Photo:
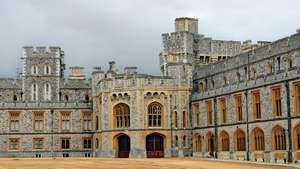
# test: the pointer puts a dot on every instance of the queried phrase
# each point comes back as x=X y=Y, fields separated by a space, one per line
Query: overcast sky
x=94 y=32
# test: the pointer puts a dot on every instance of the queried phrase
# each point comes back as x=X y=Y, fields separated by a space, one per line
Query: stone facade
x=266 y=81
x=214 y=99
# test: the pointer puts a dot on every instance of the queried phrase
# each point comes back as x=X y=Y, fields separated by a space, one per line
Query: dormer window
x=34 y=70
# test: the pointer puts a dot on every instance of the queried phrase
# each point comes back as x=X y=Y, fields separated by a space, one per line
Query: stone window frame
x=224 y=141
x=34 y=92
x=175 y=119
x=47 y=70
x=238 y=107
x=65 y=116
x=14 y=118
x=223 y=110
x=34 y=147
x=40 y=116
x=121 y=113
x=17 y=141
x=197 y=143
x=278 y=138
x=87 y=143
x=258 y=139
x=34 y=70
x=196 y=109
x=276 y=101
x=256 y=105
x=47 y=92
x=184 y=119
x=155 y=113
x=209 y=139
x=239 y=140
x=65 y=143
x=296 y=98
x=209 y=112
x=86 y=121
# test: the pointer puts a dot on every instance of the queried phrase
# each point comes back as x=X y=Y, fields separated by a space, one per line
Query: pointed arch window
x=258 y=139
x=122 y=115
x=224 y=140
x=155 y=115
x=279 y=139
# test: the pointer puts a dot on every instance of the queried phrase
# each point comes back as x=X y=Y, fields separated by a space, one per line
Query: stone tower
x=177 y=56
x=43 y=71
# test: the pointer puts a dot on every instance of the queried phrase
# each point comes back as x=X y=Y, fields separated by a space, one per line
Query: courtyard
x=101 y=163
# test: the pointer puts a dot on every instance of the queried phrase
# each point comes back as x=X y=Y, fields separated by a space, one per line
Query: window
x=65 y=121
x=197 y=114
x=66 y=97
x=14 y=120
x=176 y=141
x=253 y=72
x=87 y=121
x=209 y=139
x=97 y=123
x=225 y=80
x=65 y=143
x=278 y=63
x=47 y=70
x=258 y=139
x=224 y=140
x=175 y=119
x=279 y=140
x=38 y=121
x=184 y=119
x=207 y=59
x=238 y=76
x=201 y=88
x=14 y=144
x=256 y=105
x=289 y=63
x=38 y=143
x=184 y=141
x=34 y=70
x=122 y=115
x=155 y=114
x=87 y=143
x=276 y=101
x=240 y=140
x=34 y=92
x=297 y=98
x=223 y=110
x=270 y=68
x=197 y=142
x=209 y=112
x=238 y=107
x=97 y=143
x=47 y=92
x=297 y=137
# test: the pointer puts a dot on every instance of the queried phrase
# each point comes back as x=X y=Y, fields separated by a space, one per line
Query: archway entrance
x=155 y=146
x=123 y=146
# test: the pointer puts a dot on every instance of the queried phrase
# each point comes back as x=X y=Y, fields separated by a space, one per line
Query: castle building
x=214 y=99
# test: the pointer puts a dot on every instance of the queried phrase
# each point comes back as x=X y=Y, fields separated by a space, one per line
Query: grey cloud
x=93 y=32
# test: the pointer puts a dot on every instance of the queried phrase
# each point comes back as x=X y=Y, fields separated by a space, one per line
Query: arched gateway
x=155 y=145
x=123 y=146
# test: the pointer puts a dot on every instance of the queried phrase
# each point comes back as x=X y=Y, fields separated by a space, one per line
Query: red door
x=155 y=146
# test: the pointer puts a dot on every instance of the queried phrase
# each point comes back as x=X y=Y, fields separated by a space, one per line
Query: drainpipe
x=52 y=124
x=247 y=125
x=216 y=127
x=288 y=104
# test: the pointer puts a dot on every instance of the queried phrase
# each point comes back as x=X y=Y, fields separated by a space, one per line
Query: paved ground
x=100 y=163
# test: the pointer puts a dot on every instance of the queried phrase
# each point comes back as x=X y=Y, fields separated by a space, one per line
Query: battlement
x=38 y=50
x=186 y=24
x=76 y=73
